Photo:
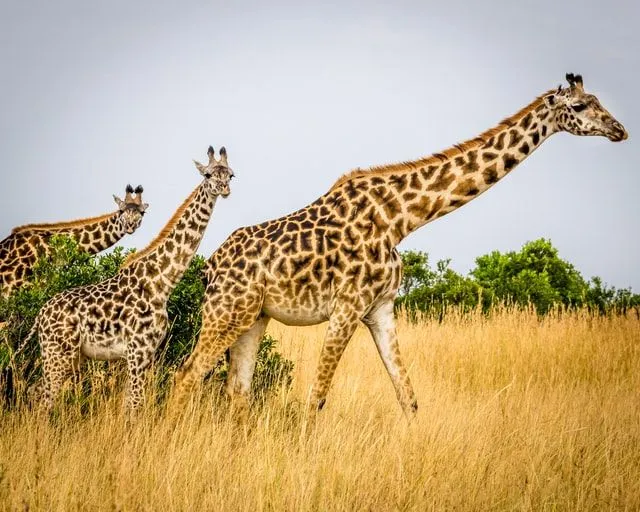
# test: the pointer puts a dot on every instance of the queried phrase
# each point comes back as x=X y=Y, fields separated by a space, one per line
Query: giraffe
x=125 y=317
x=335 y=260
x=22 y=248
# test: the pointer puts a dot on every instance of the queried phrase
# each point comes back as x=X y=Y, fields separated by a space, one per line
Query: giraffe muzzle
x=617 y=133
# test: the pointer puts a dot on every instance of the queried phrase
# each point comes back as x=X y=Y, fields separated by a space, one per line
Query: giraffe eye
x=578 y=107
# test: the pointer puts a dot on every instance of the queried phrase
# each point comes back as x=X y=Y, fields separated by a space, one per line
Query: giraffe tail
x=8 y=371
x=25 y=341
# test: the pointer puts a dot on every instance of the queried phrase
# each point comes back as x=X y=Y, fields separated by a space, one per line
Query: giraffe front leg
x=226 y=315
x=134 y=399
x=210 y=348
x=342 y=325
x=139 y=359
x=382 y=325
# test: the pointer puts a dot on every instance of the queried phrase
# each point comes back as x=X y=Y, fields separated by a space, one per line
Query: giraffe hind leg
x=242 y=363
x=381 y=325
x=58 y=365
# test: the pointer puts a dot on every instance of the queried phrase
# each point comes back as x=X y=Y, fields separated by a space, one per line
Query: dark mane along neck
x=167 y=257
x=167 y=231
x=449 y=153
x=407 y=195
x=63 y=226
x=93 y=235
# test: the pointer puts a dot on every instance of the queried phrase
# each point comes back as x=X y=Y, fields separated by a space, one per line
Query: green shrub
x=535 y=275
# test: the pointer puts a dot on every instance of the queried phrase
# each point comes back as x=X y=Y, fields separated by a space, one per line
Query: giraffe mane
x=164 y=233
x=447 y=154
x=61 y=225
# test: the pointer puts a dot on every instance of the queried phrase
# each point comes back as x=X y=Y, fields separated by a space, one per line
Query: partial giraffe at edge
x=125 y=317
x=335 y=260
x=20 y=251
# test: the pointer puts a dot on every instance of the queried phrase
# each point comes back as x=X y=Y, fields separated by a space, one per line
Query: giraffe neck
x=164 y=261
x=27 y=243
x=93 y=234
x=99 y=235
x=411 y=194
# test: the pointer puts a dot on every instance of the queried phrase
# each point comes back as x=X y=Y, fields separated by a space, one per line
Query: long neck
x=410 y=194
x=93 y=235
x=98 y=236
x=164 y=261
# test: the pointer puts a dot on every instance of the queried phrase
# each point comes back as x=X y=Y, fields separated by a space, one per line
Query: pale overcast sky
x=95 y=96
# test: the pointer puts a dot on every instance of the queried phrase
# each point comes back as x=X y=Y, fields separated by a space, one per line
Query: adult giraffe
x=336 y=260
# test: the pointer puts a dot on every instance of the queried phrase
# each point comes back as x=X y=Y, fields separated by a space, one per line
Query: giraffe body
x=335 y=260
x=20 y=251
x=125 y=317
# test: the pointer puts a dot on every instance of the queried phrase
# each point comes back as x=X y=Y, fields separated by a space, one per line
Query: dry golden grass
x=515 y=414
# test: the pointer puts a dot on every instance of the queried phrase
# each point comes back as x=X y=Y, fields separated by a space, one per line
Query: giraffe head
x=580 y=113
x=131 y=209
x=217 y=173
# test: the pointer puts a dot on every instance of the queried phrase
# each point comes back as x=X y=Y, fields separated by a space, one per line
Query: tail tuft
x=9 y=392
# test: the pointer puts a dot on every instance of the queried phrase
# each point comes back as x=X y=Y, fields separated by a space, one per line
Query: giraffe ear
x=550 y=100
x=200 y=167
x=121 y=204
x=143 y=207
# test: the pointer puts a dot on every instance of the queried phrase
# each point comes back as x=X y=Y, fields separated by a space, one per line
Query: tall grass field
x=516 y=412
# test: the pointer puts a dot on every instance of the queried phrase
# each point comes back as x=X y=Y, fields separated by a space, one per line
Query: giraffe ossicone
x=335 y=259
x=125 y=317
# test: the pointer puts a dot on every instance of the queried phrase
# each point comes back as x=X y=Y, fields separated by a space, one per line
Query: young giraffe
x=336 y=260
x=125 y=317
x=22 y=248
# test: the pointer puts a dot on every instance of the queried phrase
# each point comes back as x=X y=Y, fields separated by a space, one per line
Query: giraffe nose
x=618 y=133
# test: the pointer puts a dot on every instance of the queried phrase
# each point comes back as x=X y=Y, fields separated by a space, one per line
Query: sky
x=97 y=95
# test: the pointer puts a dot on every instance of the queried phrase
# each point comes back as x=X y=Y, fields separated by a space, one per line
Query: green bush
x=535 y=275
x=433 y=291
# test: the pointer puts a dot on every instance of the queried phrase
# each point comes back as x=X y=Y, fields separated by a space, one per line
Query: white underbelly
x=116 y=349
x=295 y=317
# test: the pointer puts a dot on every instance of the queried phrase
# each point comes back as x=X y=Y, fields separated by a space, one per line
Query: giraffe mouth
x=617 y=133
x=618 y=137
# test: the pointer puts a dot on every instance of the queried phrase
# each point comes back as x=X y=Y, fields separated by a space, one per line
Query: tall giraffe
x=22 y=248
x=125 y=317
x=336 y=260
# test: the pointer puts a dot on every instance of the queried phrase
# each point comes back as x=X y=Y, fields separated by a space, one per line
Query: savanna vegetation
x=534 y=276
x=526 y=374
